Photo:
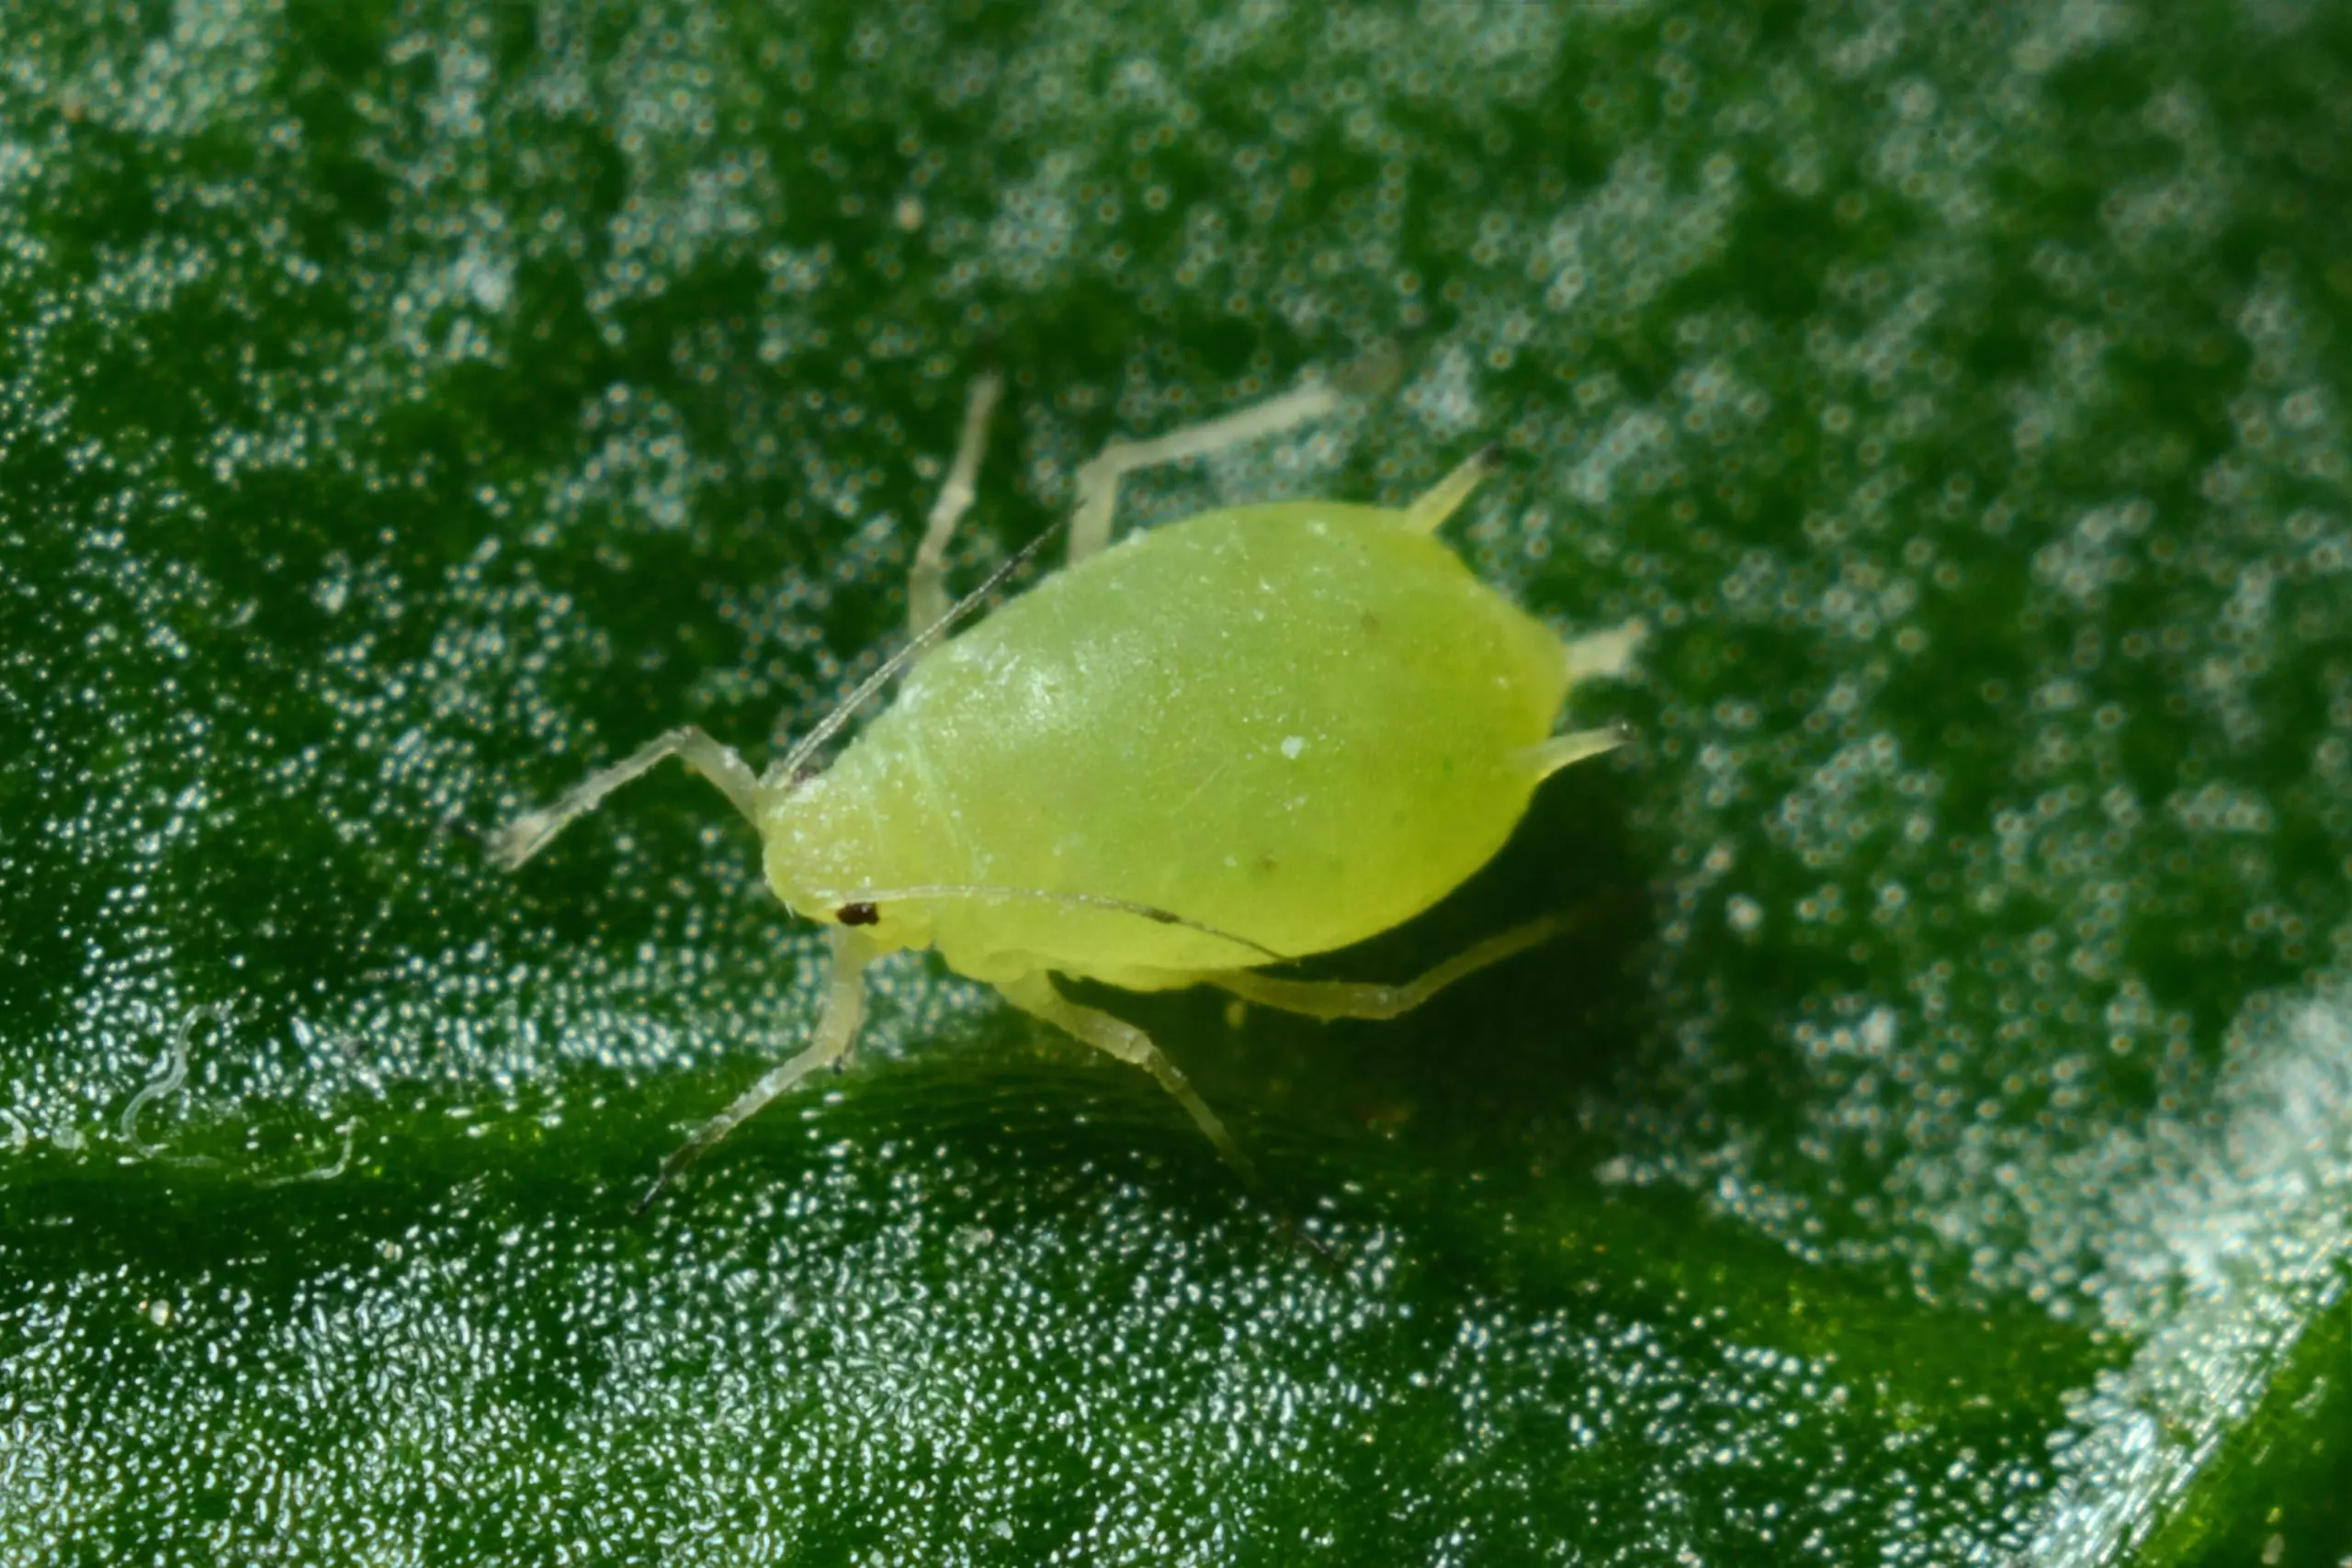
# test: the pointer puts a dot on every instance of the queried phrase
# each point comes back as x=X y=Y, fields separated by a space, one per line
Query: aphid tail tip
x=1451 y=491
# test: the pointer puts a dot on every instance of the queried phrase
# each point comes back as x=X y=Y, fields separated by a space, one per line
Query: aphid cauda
x=1230 y=741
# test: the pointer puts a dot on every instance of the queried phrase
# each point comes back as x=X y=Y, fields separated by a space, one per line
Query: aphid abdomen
x=1299 y=723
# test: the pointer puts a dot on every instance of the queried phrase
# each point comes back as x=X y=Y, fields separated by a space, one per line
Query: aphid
x=1231 y=742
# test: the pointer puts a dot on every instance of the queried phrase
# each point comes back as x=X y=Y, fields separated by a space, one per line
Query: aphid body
x=1300 y=723
x=1252 y=735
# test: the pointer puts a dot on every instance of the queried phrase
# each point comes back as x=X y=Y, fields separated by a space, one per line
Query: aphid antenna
x=795 y=766
x=879 y=896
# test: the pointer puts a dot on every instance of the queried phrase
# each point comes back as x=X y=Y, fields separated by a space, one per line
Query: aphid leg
x=1451 y=491
x=836 y=1031
x=1604 y=656
x=1098 y=478
x=1355 y=999
x=1034 y=995
x=528 y=834
x=927 y=585
x=1560 y=750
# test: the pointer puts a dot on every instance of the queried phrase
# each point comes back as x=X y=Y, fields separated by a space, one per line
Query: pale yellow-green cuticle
x=1303 y=723
x=1233 y=740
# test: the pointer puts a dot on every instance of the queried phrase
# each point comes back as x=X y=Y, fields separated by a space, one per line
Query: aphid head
x=826 y=836
x=823 y=830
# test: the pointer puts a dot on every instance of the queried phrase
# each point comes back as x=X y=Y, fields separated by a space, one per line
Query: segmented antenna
x=794 y=768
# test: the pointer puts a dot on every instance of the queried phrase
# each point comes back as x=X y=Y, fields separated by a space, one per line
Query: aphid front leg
x=1098 y=478
x=836 y=1032
x=927 y=585
x=1329 y=999
x=1034 y=995
x=528 y=834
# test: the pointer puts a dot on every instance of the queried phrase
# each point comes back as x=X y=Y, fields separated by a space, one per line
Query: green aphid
x=1230 y=742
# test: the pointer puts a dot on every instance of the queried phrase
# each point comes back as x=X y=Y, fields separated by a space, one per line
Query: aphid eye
x=857 y=914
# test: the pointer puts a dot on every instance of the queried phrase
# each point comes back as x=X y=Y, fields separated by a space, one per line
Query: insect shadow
x=1493 y=1070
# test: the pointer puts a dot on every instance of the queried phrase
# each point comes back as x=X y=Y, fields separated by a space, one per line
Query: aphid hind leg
x=1355 y=999
x=528 y=834
x=1098 y=478
x=1604 y=656
x=1035 y=994
x=836 y=1032
x=927 y=584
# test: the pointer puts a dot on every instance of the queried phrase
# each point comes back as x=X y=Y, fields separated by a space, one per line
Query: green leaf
x=1933 y=1148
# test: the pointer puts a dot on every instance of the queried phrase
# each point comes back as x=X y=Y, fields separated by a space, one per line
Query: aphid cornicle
x=1230 y=741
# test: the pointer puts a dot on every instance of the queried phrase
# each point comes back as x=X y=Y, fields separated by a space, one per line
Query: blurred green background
x=1935 y=1151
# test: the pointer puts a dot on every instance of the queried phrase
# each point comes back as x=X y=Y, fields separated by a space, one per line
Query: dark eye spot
x=857 y=914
